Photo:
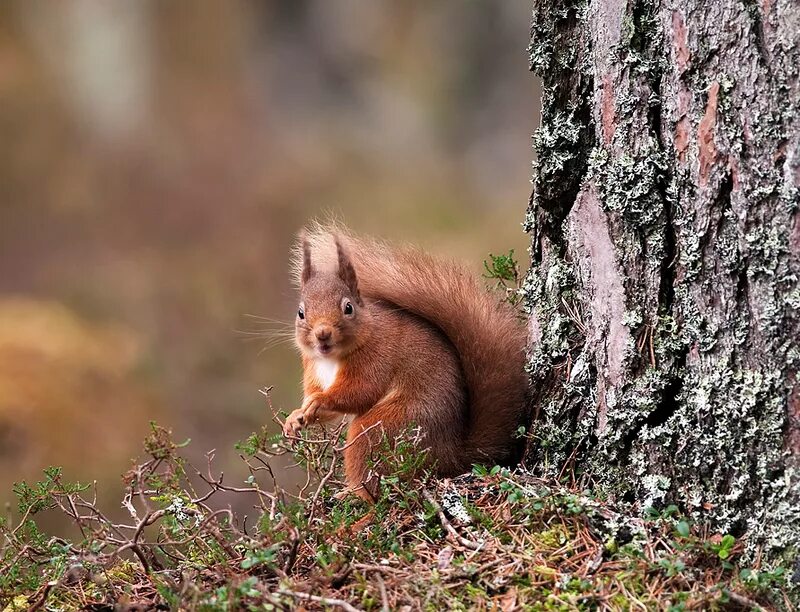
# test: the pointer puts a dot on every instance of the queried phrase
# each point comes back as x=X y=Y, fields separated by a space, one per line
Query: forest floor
x=493 y=539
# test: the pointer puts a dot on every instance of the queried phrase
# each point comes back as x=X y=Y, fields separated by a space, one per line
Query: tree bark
x=664 y=290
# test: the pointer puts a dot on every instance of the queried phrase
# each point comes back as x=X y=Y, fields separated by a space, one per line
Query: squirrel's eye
x=348 y=308
x=301 y=314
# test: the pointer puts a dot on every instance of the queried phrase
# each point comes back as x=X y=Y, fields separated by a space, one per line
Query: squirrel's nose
x=323 y=334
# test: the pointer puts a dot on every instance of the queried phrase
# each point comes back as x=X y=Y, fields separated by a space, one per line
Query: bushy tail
x=486 y=333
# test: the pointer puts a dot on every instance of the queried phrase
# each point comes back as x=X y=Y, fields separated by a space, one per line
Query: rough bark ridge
x=664 y=289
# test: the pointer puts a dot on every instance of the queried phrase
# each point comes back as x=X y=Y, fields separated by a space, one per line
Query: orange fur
x=414 y=339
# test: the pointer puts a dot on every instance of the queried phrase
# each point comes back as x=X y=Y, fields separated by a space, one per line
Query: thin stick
x=454 y=535
x=741 y=600
x=339 y=449
x=325 y=601
x=384 y=596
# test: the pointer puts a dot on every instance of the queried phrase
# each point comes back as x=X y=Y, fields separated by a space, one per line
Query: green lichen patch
x=552 y=44
x=632 y=186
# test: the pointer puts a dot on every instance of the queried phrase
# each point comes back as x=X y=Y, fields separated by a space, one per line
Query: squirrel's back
x=486 y=334
x=427 y=382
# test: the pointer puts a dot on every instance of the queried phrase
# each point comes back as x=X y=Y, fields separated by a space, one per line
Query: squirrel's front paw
x=304 y=416
x=311 y=405
x=294 y=423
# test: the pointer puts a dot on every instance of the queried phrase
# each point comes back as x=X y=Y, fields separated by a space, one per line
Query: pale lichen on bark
x=665 y=257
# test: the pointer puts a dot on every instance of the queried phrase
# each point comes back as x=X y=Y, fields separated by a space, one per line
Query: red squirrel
x=396 y=337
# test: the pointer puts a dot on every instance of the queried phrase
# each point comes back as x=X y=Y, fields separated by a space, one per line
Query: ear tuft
x=347 y=272
x=308 y=271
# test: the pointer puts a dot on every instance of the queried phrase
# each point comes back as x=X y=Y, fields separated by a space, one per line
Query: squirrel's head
x=330 y=308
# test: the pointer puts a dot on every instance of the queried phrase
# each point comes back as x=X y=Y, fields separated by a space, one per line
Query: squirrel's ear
x=347 y=272
x=307 y=271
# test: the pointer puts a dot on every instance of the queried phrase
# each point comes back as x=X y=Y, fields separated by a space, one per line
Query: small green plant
x=502 y=267
x=655 y=514
x=762 y=580
x=673 y=566
x=260 y=556
x=683 y=529
x=34 y=499
x=504 y=270
x=724 y=547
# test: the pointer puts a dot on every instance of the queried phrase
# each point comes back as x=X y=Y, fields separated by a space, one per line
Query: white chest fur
x=326 y=370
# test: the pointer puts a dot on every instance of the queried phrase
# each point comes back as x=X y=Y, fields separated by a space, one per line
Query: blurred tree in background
x=158 y=159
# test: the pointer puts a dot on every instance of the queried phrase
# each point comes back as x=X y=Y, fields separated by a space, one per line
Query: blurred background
x=157 y=160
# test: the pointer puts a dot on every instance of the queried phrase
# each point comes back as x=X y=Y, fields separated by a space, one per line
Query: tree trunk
x=664 y=290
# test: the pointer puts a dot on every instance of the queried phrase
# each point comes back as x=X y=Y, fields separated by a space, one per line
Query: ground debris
x=493 y=539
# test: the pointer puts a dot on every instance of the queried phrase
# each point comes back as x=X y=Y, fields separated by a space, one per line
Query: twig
x=454 y=535
x=652 y=349
x=325 y=601
x=386 y=569
x=340 y=449
x=292 y=556
x=40 y=601
x=382 y=589
x=323 y=481
x=741 y=600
